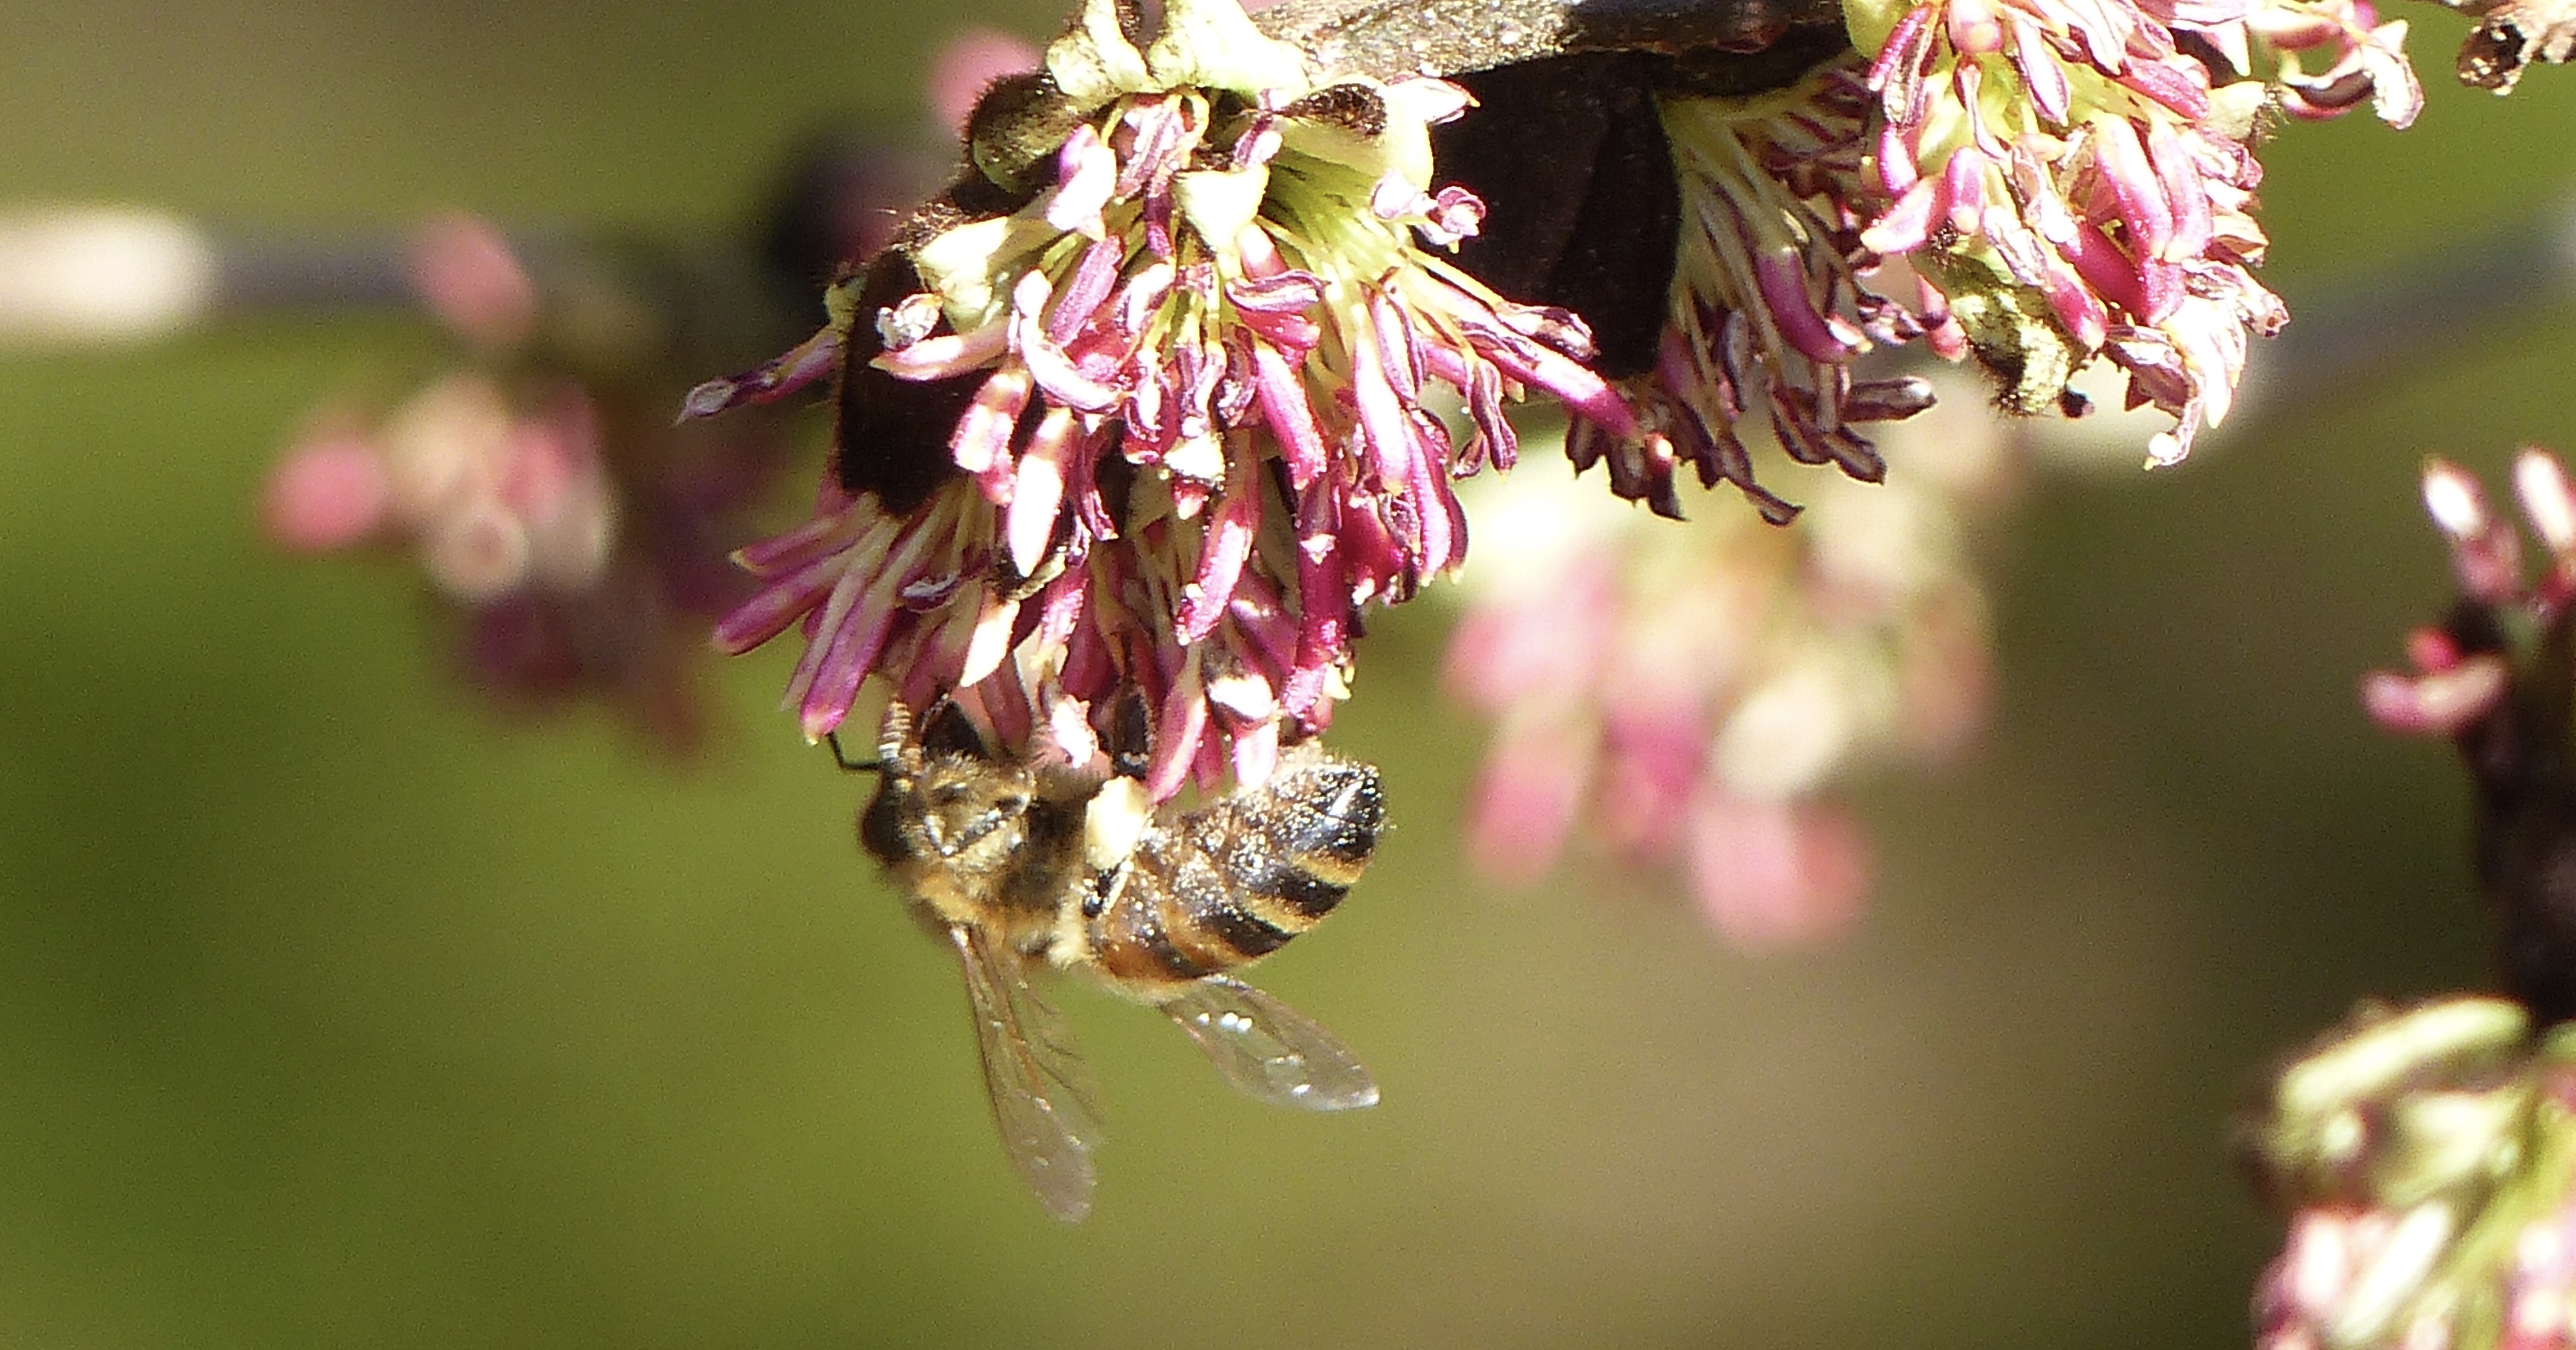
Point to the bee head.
(943, 795)
(964, 811)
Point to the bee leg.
(1131, 736)
(833, 739)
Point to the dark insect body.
(893, 433)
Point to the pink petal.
(2178, 172)
(1975, 28)
(1571, 383)
(1900, 164)
(1256, 752)
(807, 362)
(1055, 372)
(1176, 737)
(2441, 703)
(1093, 279)
(1222, 552)
(983, 436)
(1777, 876)
(1006, 701)
(2076, 306)
(1526, 798)
(2108, 270)
(1908, 223)
(2134, 185)
(2177, 83)
(949, 354)
(821, 536)
(327, 493)
(1899, 70)
(1290, 292)
(1142, 297)
(1963, 188)
(1086, 174)
(771, 609)
(991, 641)
(836, 667)
(1783, 284)
(1260, 618)
(2040, 71)
(1038, 491)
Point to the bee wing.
(1268, 1049)
(1041, 1094)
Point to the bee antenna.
(833, 739)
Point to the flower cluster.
(2074, 179)
(495, 501)
(2039, 183)
(2427, 1159)
(1690, 694)
(1153, 408)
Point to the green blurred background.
(335, 1012)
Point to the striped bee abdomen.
(1220, 887)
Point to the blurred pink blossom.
(572, 537)
(1688, 695)
(330, 491)
(468, 275)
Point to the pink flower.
(2040, 183)
(1777, 875)
(327, 493)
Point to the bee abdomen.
(1148, 933)
(1331, 814)
(1226, 885)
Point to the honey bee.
(1016, 863)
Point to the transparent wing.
(1041, 1095)
(1268, 1049)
